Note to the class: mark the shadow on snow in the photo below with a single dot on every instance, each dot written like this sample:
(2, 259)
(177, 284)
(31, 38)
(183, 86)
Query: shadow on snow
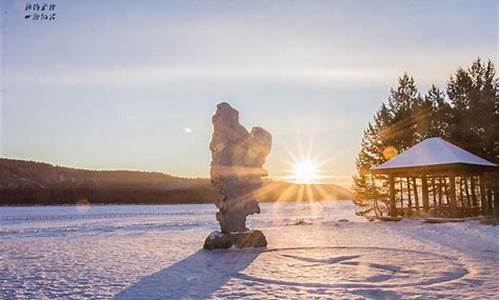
(195, 277)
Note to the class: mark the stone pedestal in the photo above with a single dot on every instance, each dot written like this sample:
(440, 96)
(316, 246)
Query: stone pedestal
(246, 239)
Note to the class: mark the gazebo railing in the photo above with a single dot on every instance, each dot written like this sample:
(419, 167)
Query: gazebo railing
(470, 195)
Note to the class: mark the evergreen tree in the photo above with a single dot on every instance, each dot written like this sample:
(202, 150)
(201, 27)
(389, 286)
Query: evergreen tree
(370, 154)
(468, 118)
(435, 114)
(400, 131)
(394, 129)
(365, 184)
(474, 119)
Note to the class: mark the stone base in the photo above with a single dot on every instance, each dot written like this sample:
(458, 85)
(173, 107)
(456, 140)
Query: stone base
(246, 239)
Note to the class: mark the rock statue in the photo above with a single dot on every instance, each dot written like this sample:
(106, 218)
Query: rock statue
(236, 174)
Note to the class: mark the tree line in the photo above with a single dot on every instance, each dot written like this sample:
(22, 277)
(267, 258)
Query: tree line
(36, 183)
(465, 113)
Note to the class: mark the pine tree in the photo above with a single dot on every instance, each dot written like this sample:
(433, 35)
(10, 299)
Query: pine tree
(474, 118)
(435, 114)
(394, 129)
(401, 131)
(467, 115)
(365, 184)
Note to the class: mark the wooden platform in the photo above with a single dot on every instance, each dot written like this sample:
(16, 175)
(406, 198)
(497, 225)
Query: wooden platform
(443, 220)
(390, 219)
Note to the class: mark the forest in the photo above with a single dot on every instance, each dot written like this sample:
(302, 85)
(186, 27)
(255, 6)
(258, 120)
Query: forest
(464, 113)
(35, 183)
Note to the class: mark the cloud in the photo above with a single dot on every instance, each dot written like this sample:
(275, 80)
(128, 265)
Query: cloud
(150, 76)
(381, 71)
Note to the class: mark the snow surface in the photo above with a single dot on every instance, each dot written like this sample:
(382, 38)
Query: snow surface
(433, 151)
(154, 252)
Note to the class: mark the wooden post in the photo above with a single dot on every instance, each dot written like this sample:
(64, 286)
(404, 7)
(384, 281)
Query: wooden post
(461, 185)
(409, 192)
(473, 190)
(440, 192)
(489, 200)
(415, 192)
(434, 191)
(482, 192)
(467, 192)
(447, 191)
(495, 209)
(425, 193)
(392, 195)
(401, 192)
(453, 197)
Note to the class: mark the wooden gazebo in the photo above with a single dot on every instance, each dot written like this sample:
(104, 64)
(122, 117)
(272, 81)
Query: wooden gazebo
(437, 176)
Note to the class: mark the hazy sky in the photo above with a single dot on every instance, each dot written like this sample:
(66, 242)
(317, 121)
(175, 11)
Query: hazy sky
(133, 84)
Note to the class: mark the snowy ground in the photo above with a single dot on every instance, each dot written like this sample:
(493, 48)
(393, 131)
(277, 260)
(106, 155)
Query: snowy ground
(153, 252)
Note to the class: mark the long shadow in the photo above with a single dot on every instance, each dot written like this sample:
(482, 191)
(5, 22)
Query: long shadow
(195, 277)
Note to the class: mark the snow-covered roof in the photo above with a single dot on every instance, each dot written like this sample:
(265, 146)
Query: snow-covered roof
(432, 152)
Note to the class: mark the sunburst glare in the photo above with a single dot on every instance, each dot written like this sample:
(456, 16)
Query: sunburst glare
(305, 172)
(307, 165)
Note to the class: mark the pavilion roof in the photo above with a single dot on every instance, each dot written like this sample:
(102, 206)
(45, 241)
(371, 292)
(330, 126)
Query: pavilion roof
(433, 153)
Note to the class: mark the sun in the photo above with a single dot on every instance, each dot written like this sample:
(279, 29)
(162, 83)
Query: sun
(305, 172)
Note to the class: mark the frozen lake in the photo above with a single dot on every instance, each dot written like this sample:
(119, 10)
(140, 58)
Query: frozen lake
(52, 221)
(154, 252)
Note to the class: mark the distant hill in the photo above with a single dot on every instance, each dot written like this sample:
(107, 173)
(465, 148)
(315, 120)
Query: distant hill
(35, 183)
(273, 191)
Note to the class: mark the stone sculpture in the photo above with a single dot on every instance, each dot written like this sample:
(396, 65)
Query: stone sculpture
(236, 174)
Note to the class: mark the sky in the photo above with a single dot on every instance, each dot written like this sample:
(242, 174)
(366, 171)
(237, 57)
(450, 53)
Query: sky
(133, 84)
